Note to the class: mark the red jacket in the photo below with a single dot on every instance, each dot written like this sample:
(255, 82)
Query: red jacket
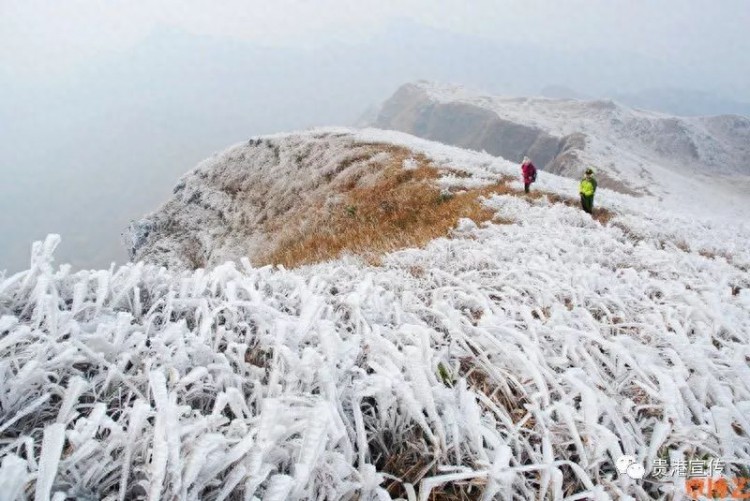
(529, 173)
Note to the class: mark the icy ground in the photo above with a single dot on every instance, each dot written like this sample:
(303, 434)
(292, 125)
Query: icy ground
(515, 361)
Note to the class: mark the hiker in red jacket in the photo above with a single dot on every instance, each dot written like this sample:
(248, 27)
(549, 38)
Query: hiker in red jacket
(529, 173)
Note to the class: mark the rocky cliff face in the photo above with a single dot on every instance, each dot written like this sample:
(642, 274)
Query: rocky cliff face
(466, 125)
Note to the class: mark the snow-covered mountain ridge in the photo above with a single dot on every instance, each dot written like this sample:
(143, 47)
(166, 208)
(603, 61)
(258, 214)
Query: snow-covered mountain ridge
(638, 151)
(516, 359)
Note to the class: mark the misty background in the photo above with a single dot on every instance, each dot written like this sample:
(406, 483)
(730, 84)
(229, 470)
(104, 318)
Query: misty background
(104, 105)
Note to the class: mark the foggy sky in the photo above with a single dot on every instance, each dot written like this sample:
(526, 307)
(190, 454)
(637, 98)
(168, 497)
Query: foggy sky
(105, 104)
(49, 36)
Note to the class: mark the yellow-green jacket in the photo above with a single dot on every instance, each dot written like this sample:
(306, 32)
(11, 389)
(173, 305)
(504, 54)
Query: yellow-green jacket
(588, 186)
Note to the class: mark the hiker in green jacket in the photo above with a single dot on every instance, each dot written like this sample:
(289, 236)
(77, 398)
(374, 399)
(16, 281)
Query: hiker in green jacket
(587, 189)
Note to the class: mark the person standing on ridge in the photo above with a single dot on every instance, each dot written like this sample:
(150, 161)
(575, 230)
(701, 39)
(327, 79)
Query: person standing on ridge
(587, 189)
(529, 173)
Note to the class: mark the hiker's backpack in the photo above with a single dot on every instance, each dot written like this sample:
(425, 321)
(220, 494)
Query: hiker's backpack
(533, 173)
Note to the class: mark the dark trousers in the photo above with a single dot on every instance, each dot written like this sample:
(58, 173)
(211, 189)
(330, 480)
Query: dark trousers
(526, 187)
(587, 203)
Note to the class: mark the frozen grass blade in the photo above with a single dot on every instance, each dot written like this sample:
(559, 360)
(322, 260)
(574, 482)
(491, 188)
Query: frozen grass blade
(52, 444)
(13, 476)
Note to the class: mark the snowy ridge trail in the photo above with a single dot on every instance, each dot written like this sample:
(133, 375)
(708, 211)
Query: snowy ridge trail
(510, 361)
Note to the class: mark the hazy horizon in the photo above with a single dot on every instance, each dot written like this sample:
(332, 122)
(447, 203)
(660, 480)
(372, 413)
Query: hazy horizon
(105, 105)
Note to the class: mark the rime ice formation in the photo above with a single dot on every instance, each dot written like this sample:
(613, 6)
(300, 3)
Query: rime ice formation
(507, 361)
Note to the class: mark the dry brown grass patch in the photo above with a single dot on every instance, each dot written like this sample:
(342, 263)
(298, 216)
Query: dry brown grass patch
(603, 215)
(399, 208)
(409, 460)
(378, 206)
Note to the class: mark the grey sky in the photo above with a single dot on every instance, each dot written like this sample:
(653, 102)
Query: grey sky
(104, 104)
(50, 35)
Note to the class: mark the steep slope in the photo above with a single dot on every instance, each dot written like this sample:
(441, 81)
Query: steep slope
(515, 359)
(634, 151)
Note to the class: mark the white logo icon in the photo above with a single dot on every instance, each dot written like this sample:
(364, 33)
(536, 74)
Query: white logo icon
(635, 471)
(626, 465)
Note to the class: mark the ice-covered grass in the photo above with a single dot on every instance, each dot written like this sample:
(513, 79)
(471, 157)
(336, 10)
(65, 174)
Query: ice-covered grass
(512, 361)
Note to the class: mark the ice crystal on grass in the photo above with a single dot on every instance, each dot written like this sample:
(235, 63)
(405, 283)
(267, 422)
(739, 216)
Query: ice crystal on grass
(514, 361)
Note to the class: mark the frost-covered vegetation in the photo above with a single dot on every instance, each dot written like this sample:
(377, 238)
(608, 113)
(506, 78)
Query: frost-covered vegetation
(514, 361)
(301, 198)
